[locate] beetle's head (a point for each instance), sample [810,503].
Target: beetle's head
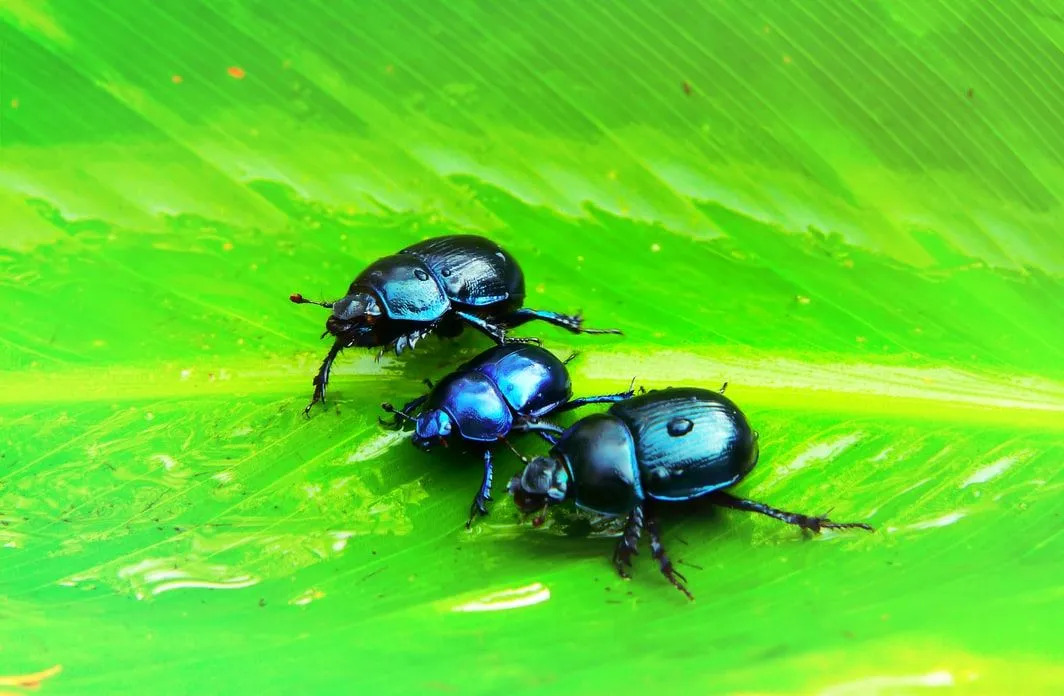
[544,481]
[353,319]
[433,426]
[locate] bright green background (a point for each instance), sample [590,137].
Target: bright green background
[854,217]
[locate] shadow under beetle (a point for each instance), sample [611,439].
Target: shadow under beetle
[504,388]
[665,445]
[438,285]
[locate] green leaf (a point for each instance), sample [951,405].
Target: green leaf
[848,211]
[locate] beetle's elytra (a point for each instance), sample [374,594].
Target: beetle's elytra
[438,286]
[504,387]
[669,445]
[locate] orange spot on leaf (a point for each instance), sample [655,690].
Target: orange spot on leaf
[176,79]
[235,72]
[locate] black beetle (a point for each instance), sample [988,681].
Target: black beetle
[438,285]
[505,387]
[667,445]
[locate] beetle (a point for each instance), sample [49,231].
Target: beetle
[506,386]
[665,445]
[438,285]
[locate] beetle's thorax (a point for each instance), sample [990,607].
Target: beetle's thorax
[600,455]
[472,402]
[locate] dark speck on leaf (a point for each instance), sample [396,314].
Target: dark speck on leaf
[686,88]
[970,93]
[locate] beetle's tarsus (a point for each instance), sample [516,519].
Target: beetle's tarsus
[321,380]
[569,322]
[807,522]
[477,509]
[484,494]
[657,549]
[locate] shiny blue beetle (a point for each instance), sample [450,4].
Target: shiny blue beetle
[439,285]
[506,388]
[669,445]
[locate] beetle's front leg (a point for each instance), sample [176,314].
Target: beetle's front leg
[657,549]
[493,331]
[484,494]
[628,546]
[321,380]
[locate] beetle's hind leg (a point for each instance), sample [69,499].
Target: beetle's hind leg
[569,322]
[628,545]
[657,549]
[321,380]
[813,524]
[604,399]
[484,494]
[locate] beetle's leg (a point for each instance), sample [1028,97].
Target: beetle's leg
[628,546]
[657,549]
[604,399]
[550,438]
[569,322]
[321,380]
[537,427]
[405,410]
[495,332]
[484,494]
[813,524]
[407,341]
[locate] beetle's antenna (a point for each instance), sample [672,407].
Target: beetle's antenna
[571,357]
[520,456]
[299,299]
[388,408]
